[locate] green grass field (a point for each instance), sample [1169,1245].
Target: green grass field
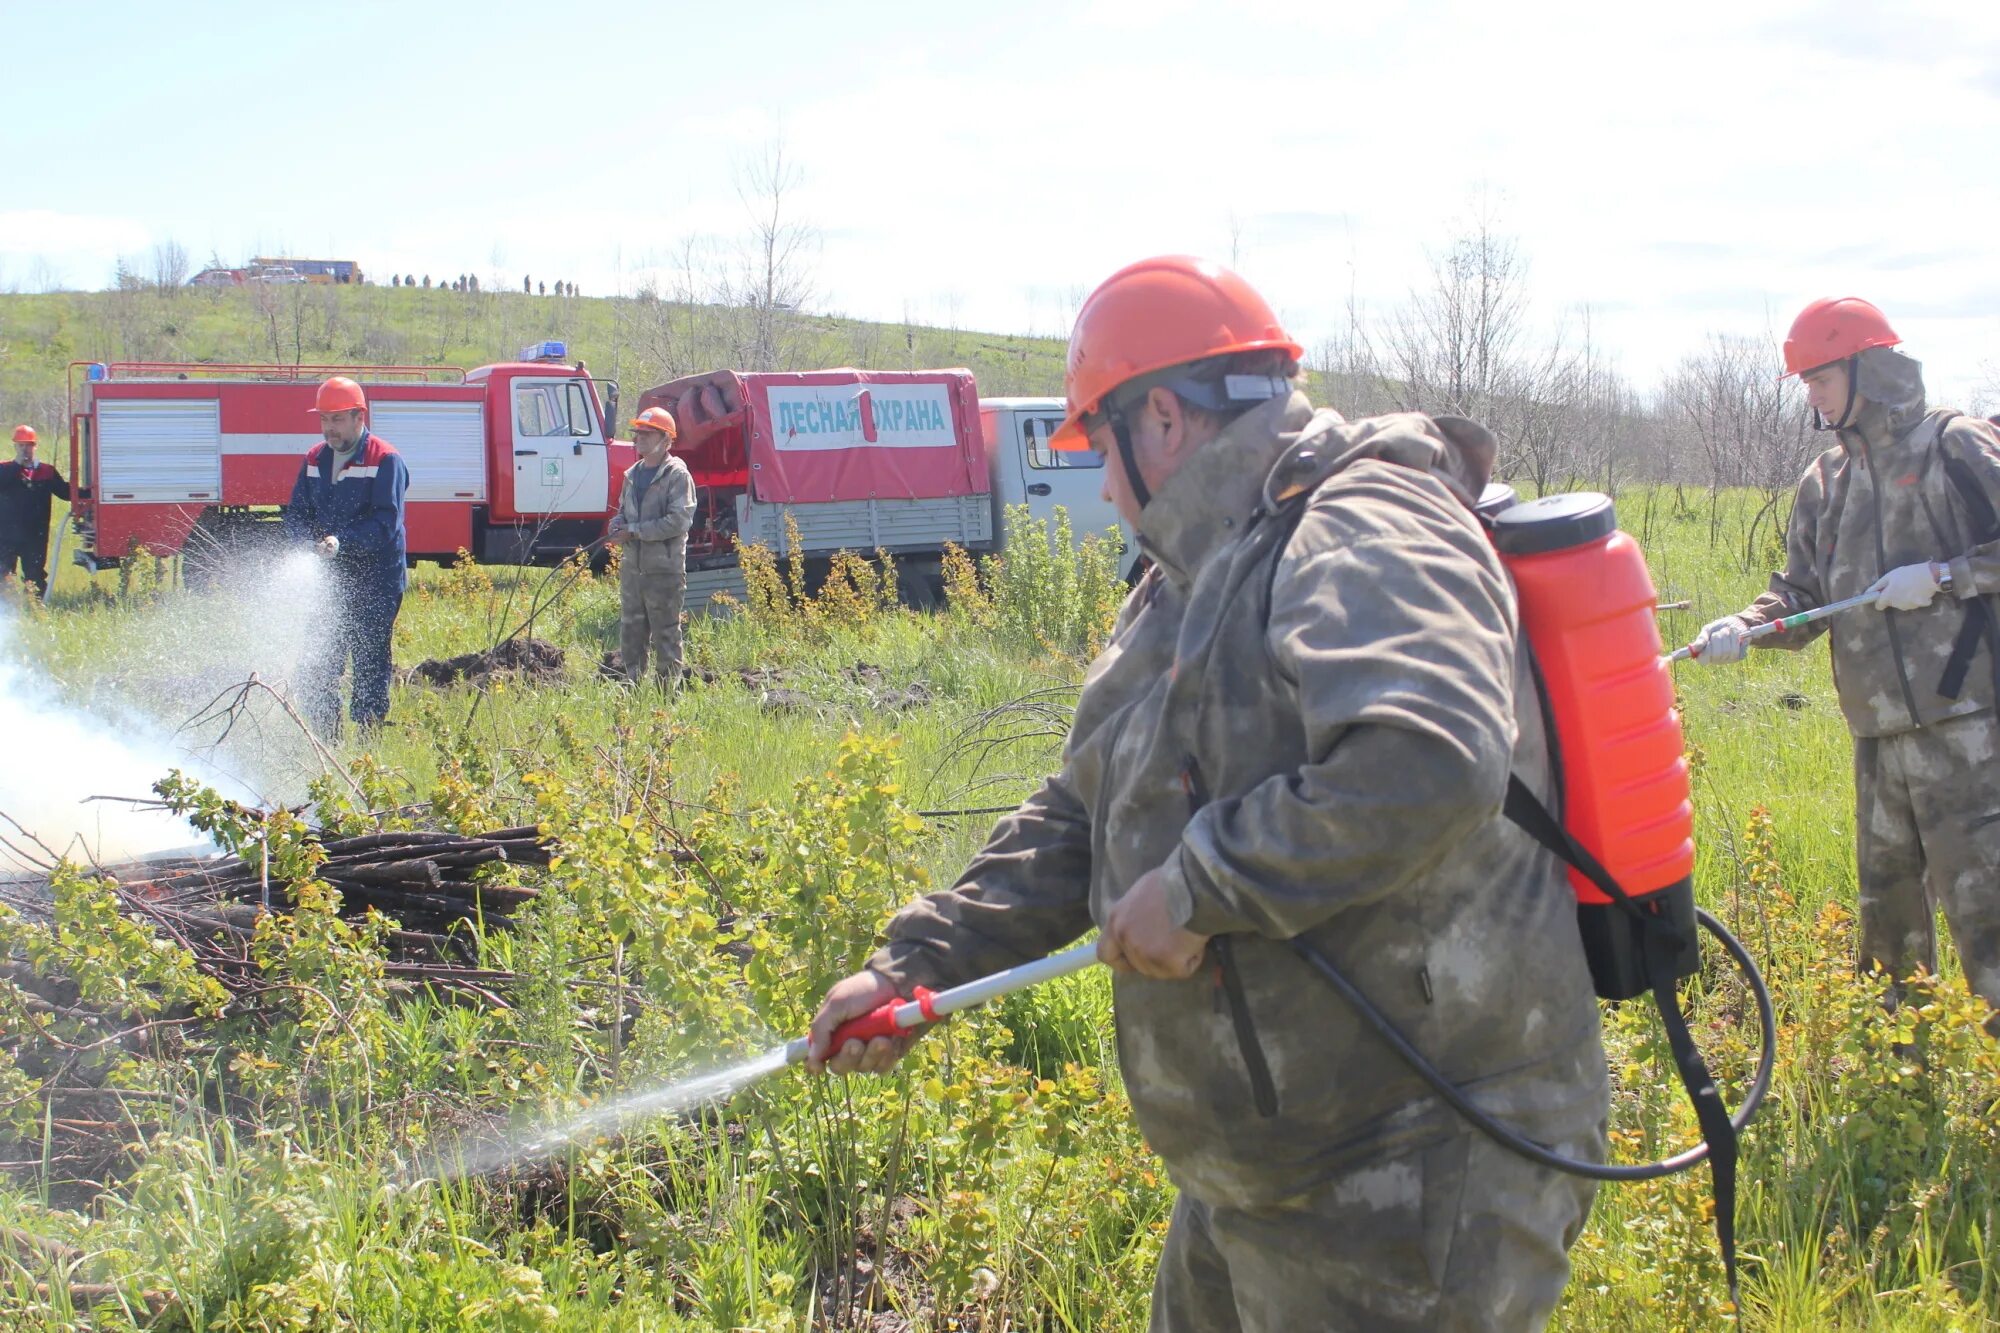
[274,1170]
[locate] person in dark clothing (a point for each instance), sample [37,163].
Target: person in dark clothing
[347,505]
[27,489]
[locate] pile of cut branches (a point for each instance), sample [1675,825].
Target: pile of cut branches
[430,883]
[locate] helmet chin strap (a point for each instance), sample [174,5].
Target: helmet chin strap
[1846,413]
[1122,433]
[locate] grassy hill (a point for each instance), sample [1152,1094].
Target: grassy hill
[639,341]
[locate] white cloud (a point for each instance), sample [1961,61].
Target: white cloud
[68,249]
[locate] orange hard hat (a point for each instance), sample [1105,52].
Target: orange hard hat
[24,434]
[340,394]
[1833,329]
[1154,314]
[659,419]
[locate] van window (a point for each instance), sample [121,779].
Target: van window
[1042,456]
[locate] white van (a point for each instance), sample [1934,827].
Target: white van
[1025,470]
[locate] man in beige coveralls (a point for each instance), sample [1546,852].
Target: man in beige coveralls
[1900,507]
[1299,733]
[655,512]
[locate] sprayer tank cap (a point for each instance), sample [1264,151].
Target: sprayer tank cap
[1554,523]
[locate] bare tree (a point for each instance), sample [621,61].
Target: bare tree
[1746,424]
[1350,366]
[777,264]
[285,311]
[1986,393]
[1452,345]
[170,266]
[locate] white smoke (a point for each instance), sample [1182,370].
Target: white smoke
[158,696]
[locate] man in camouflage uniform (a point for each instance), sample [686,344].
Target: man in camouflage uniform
[1902,507]
[1295,733]
[655,512]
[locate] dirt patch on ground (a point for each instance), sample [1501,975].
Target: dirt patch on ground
[802,690]
[779,690]
[798,689]
[524,659]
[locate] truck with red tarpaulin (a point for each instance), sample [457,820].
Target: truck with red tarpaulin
[903,462]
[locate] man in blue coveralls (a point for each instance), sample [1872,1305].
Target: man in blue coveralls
[348,506]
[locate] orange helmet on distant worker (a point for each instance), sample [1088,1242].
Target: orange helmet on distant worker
[659,419]
[1833,329]
[340,394]
[1155,314]
[24,434]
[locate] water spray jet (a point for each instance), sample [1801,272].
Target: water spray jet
[687,1094]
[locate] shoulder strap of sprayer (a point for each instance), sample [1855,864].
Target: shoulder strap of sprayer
[1662,945]
[1980,622]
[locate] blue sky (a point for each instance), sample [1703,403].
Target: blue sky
[1681,170]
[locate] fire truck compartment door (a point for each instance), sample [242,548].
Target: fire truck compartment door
[559,454]
[159,451]
[444,445]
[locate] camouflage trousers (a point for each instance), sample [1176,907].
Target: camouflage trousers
[1456,1237]
[649,620]
[1927,824]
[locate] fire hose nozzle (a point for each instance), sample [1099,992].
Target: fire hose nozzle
[888,1019]
[927,1006]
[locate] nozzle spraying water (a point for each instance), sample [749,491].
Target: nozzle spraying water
[687,1094]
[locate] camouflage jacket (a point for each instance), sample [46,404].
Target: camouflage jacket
[658,520]
[1310,731]
[1877,500]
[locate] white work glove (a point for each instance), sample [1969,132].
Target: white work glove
[1721,642]
[1906,588]
[328,545]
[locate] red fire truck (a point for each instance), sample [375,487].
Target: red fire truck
[512,462]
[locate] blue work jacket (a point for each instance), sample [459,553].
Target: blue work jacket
[363,507]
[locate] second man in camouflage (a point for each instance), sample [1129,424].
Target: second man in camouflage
[651,526]
[1903,506]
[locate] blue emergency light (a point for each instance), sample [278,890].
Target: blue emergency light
[550,349]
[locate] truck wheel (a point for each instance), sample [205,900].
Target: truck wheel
[919,591]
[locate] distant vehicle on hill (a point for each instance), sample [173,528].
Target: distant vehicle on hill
[341,272]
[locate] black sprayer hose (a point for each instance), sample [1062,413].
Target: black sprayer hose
[1512,1139]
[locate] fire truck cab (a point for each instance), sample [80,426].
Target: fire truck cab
[512,462]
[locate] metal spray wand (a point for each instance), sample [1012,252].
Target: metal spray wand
[1782,624]
[897,1016]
